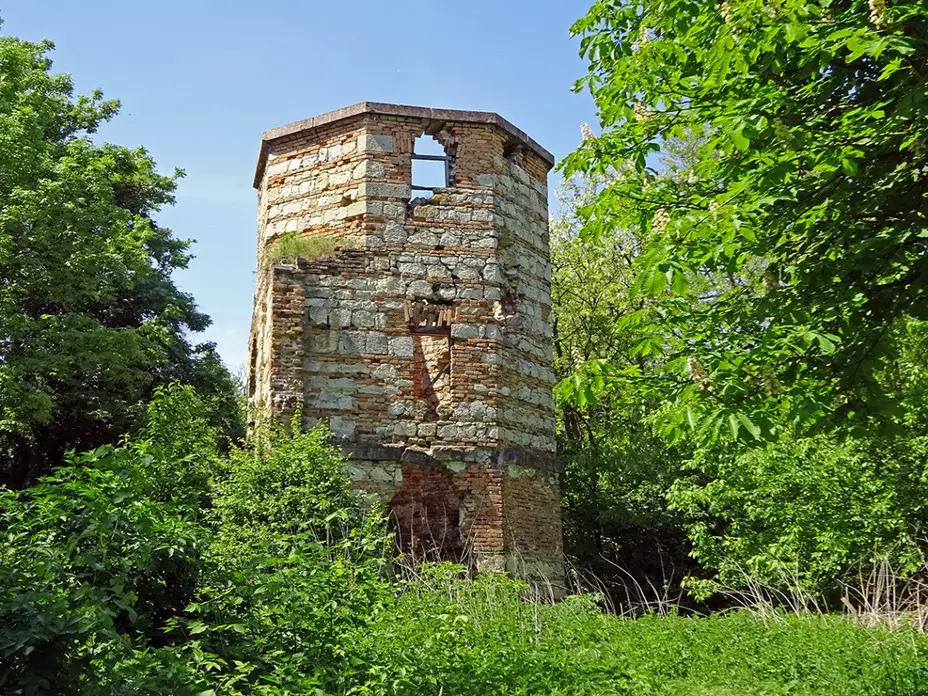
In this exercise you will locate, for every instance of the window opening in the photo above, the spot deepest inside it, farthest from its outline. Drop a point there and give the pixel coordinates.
(431, 166)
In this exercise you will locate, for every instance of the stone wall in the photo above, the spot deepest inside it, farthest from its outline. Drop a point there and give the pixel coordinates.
(425, 339)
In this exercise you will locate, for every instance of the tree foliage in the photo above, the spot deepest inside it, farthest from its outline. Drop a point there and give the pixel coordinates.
(90, 320)
(161, 566)
(767, 160)
(809, 197)
(814, 515)
(100, 556)
(617, 523)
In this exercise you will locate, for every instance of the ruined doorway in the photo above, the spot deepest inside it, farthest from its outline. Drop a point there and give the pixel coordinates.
(426, 516)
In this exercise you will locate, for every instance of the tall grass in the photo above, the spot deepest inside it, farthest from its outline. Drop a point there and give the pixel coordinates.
(290, 247)
(447, 635)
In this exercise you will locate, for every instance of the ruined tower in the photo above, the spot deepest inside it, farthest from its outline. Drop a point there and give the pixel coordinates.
(417, 321)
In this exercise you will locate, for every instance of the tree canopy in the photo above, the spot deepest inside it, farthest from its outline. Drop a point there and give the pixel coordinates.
(90, 319)
(806, 211)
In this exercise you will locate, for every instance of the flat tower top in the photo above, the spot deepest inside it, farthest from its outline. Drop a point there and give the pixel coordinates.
(308, 124)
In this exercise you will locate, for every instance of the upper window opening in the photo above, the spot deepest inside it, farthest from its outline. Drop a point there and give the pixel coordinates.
(431, 166)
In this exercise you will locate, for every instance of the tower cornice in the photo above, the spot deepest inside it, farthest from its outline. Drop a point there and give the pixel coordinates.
(307, 125)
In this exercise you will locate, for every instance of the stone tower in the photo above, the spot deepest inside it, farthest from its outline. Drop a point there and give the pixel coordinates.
(419, 322)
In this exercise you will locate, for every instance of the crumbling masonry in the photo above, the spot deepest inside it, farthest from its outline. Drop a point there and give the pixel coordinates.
(424, 337)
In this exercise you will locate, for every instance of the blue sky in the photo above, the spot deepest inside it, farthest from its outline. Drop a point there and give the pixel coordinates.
(200, 81)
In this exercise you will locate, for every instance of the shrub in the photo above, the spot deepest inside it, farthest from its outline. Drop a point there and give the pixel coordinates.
(98, 559)
(806, 513)
(156, 568)
(296, 562)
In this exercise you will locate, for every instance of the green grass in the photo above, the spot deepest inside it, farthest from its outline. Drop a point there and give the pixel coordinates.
(290, 246)
(480, 639)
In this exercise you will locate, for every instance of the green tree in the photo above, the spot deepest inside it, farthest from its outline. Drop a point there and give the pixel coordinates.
(810, 195)
(810, 514)
(617, 524)
(820, 511)
(90, 320)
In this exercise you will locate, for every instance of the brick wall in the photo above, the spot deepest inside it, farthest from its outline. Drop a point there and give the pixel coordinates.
(425, 338)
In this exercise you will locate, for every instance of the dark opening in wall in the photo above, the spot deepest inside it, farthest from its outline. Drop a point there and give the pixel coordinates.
(432, 355)
(431, 167)
(514, 151)
(425, 515)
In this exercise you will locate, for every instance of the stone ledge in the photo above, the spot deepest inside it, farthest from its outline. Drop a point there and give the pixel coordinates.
(372, 451)
(454, 115)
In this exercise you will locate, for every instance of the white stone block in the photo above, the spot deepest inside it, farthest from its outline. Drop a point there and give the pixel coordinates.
(450, 239)
(340, 318)
(355, 209)
(394, 232)
(424, 238)
(468, 275)
(493, 273)
(379, 189)
(341, 426)
(385, 372)
(368, 142)
(448, 432)
(339, 178)
(463, 331)
(390, 286)
(394, 210)
(412, 269)
(352, 342)
(277, 168)
(362, 319)
(377, 343)
(401, 346)
(420, 288)
(330, 401)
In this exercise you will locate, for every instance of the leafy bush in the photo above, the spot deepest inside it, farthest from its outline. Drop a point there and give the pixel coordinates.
(296, 563)
(805, 513)
(97, 559)
(156, 567)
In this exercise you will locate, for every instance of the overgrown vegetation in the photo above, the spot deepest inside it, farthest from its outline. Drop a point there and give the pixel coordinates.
(466, 637)
(292, 246)
(753, 373)
(160, 566)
